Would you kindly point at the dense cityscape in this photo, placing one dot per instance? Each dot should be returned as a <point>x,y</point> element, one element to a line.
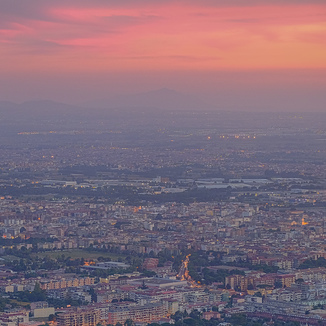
<point>162,163</point>
<point>136,218</point>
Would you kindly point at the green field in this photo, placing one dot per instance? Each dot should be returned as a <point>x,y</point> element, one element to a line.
<point>9,258</point>
<point>20,303</point>
<point>79,253</point>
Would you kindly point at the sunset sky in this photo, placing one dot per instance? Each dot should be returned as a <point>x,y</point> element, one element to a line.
<point>226,51</point>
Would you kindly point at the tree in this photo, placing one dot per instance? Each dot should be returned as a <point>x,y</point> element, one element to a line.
<point>177,316</point>
<point>159,217</point>
<point>238,320</point>
<point>149,273</point>
<point>129,322</point>
<point>195,314</point>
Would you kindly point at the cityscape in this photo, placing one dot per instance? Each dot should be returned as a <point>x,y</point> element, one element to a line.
<point>162,163</point>
<point>202,221</point>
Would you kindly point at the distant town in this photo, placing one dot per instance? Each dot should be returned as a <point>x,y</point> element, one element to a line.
<point>163,218</point>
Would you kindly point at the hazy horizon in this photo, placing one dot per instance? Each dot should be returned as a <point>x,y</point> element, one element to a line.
<point>227,99</point>
<point>258,56</point>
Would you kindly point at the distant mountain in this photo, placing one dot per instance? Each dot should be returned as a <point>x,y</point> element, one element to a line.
<point>37,109</point>
<point>153,102</point>
<point>6,106</point>
<point>49,108</point>
<point>161,99</point>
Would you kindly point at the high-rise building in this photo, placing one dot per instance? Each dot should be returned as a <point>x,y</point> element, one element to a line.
<point>79,317</point>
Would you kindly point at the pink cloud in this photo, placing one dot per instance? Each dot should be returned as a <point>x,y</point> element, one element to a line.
<point>112,35</point>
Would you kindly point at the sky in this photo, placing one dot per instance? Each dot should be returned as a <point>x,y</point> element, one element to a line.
<point>237,54</point>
